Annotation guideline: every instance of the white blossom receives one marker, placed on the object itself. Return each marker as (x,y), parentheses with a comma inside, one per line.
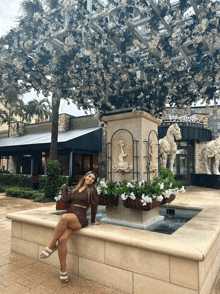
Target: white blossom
(124,196)
(159,198)
(132,196)
(58,198)
(182,189)
(130,185)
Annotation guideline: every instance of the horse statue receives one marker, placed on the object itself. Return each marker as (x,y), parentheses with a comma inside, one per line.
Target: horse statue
(168,147)
(212,150)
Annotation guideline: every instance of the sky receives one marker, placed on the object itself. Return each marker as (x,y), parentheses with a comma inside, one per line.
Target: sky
(9,12)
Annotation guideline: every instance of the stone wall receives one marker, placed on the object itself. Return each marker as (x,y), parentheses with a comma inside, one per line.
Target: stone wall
(12,163)
(16,129)
(199,158)
(103,155)
(64,122)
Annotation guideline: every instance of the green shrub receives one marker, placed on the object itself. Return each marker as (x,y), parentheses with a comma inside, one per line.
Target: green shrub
(40,197)
(20,193)
(5,171)
(2,189)
(15,180)
(52,185)
(42,182)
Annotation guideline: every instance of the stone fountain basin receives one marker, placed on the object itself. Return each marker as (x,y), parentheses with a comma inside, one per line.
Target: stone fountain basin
(127,259)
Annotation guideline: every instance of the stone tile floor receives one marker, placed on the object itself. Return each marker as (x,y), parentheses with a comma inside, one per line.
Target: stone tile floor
(20,274)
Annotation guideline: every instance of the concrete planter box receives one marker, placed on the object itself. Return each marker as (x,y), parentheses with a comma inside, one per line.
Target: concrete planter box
(127,259)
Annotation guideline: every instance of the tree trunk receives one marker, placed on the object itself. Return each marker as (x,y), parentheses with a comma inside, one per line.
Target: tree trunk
(54,130)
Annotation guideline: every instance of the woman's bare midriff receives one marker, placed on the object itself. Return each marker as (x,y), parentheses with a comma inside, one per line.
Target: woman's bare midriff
(79,206)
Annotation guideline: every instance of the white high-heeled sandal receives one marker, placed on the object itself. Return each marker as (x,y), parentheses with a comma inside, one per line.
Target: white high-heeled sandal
(48,252)
(63,277)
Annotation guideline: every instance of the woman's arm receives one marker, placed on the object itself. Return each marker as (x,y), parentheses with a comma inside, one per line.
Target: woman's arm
(65,195)
(94,205)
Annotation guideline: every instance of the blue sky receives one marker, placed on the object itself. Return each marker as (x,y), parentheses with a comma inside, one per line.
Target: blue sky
(9,11)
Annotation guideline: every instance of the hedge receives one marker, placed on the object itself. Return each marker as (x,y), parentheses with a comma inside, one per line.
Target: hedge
(15,180)
(19,193)
(24,193)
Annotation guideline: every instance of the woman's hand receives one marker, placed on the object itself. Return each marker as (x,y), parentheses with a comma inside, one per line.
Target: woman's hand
(65,187)
(97,223)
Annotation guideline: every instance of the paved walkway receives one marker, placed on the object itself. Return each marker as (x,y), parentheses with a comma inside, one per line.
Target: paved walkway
(19,274)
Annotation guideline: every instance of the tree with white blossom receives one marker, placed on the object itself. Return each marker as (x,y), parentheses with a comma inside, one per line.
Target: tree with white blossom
(115,54)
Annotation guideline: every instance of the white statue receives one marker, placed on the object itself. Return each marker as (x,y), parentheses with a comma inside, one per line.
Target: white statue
(212,150)
(168,147)
(122,165)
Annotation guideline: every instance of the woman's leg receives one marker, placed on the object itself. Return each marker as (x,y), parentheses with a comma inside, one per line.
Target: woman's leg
(62,248)
(68,220)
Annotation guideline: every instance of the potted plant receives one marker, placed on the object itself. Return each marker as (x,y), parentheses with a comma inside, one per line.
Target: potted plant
(107,191)
(143,195)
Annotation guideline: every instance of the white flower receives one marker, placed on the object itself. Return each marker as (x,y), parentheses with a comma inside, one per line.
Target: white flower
(103,184)
(182,189)
(132,196)
(58,198)
(124,196)
(130,185)
(167,194)
(159,198)
(140,184)
(161,185)
(98,190)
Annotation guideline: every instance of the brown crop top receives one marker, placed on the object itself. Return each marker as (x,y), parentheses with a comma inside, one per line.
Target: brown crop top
(81,198)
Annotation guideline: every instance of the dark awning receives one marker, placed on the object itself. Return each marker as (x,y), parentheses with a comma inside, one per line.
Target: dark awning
(188,132)
(89,139)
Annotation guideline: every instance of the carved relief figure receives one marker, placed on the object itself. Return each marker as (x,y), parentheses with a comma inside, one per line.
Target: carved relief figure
(212,150)
(122,165)
(168,147)
(153,157)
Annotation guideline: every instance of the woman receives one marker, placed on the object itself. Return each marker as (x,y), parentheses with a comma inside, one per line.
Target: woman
(81,196)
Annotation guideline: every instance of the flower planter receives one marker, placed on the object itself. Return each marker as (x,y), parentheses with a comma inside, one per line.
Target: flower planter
(168,200)
(137,204)
(108,200)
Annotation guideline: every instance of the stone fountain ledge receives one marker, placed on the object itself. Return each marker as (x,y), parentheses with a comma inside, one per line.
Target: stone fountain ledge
(127,259)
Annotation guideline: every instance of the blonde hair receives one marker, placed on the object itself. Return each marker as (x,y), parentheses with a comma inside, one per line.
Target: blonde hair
(90,188)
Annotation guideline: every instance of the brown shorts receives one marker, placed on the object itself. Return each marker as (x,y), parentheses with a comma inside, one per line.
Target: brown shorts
(80,212)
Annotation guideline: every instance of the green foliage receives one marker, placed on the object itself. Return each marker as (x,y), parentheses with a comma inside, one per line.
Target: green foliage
(19,193)
(166,174)
(107,187)
(15,180)
(43,179)
(5,171)
(52,184)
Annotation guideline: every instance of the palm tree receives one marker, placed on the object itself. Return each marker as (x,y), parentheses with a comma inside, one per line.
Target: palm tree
(10,100)
(20,110)
(42,109)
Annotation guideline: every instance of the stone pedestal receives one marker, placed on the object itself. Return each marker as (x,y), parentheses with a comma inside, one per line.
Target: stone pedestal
(127,138)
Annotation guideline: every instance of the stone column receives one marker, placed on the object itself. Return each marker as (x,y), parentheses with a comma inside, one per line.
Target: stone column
(122,129)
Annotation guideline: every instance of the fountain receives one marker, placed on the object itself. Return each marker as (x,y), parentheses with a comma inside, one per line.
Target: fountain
(127,259)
